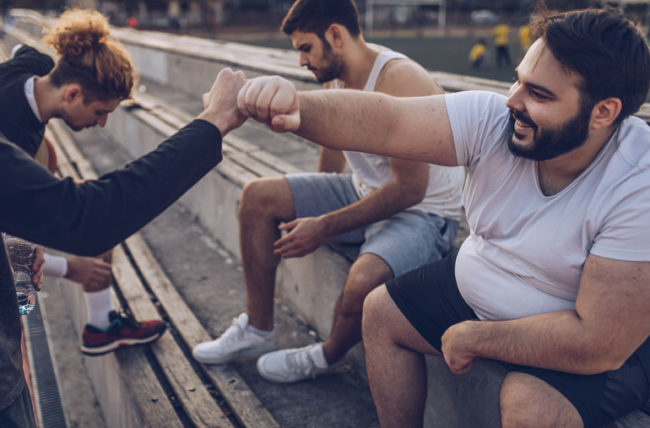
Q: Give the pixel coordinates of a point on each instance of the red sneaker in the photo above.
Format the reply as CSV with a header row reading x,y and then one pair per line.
x,y
123,331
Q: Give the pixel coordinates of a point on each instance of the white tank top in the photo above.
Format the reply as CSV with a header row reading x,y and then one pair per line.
x,y
443,196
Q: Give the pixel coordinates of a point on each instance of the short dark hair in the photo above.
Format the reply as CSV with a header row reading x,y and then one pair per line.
x,y
316,16
606,49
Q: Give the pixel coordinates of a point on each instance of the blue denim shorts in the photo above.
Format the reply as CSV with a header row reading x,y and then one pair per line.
x,y
404,241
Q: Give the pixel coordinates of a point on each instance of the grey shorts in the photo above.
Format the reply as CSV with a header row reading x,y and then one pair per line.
x,y
404,241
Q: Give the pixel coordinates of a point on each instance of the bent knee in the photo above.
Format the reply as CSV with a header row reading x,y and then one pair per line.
x,y
356,290
374,305
265,195
527,401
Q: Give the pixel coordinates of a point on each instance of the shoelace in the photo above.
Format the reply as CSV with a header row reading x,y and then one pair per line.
x,y
235,331
301,361
122,320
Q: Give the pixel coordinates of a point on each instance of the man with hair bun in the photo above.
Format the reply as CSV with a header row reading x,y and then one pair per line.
x,y
90,217
554,278
92,75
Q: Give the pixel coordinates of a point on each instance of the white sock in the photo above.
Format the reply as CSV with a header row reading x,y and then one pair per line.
x,y
263,333
98,305
318,355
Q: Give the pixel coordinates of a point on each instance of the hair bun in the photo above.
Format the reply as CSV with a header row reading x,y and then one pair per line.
x,y
77,31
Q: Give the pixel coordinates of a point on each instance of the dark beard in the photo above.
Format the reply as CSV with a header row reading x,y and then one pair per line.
x,y
551,143
334,67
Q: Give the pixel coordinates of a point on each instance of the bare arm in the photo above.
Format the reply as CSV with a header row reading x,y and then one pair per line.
x,y
407,187
330,160
611,320
400,78
407,128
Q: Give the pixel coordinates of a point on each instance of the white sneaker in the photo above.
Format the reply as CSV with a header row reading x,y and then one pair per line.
x,y
236,342
291,365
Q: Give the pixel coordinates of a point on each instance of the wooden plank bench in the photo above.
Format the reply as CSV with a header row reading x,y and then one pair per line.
x,y
133,365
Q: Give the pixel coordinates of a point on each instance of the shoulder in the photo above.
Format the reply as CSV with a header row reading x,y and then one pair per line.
x,y
634,143
405,77
28,59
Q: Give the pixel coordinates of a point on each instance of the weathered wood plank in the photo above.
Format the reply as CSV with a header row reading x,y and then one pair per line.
x,y
148,394
248,409
197,402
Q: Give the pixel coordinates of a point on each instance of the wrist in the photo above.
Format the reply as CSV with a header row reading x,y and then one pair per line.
x,y
55,266
216,119
327,225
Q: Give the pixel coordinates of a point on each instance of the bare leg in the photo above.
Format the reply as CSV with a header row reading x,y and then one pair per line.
x,y
264,204
366,273
527,401
394,361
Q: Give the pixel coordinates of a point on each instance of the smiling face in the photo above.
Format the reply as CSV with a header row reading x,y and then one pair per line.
x,y
549,116
317,55
79,115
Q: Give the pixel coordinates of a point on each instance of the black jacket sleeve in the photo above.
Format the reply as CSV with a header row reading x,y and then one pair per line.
x,y
91,217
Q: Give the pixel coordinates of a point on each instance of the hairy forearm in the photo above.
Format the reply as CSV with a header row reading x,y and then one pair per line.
x,y
414,128
378,205
556,340
346,120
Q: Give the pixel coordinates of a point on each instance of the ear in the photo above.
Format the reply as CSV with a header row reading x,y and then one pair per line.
x,y
335,35
72,93
605,112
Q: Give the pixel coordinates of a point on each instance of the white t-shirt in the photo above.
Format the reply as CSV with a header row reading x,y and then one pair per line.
x,y
526,251
443,195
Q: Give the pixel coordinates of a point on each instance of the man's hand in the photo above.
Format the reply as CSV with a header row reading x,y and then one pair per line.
x,y
271,100
305,235
37,267
456,347
221,102
92,273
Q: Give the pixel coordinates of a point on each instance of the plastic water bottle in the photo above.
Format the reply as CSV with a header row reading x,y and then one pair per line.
x,y
25,292
21,257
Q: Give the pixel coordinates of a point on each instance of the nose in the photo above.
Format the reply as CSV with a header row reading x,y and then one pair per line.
x,y
303,60
102,120
514,100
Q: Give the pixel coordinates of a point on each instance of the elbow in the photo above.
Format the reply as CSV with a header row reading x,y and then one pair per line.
x,y
413,195
596,358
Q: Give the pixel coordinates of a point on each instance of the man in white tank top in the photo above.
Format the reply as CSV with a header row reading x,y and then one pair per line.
x,y
402,213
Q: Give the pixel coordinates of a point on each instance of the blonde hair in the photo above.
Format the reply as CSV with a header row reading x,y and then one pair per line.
x,y
88,57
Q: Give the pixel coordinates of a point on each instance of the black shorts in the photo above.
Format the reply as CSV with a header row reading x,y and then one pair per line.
x,y
429,298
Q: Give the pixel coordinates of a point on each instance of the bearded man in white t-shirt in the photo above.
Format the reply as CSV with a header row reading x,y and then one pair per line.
x,y
554,280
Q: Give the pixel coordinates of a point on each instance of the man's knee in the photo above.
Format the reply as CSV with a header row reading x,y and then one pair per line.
x,y
527,401
373,308
357,286
264,196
